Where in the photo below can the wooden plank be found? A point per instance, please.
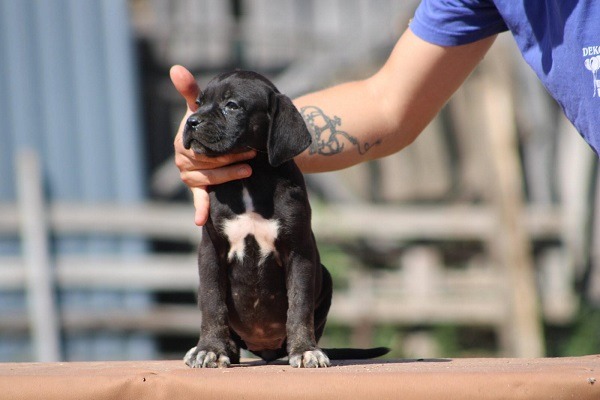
(39, 284)
(472, 297)
(576, 159)
(454, 222)
(159, 221)
(512, 245)
(9, 219)
(404, 310)
(172, 319)
(150, 220)
(172, 273)
(159, 319)
(406, 222)
(559, 300)
(12, 274)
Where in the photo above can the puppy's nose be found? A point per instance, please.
(193, 122)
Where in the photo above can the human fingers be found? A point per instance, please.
(186, 85)
(216, 176)
(187, 159)
(201, 205)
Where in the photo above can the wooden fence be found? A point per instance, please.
(421, 291)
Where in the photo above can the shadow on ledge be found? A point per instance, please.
(251, 362)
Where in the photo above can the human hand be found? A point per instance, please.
(199, 171)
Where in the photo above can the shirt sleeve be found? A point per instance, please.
(456, 22)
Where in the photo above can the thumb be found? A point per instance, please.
(186, 85)
(201, 204)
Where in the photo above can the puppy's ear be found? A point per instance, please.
(288, 134)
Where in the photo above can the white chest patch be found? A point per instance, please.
(265, 231)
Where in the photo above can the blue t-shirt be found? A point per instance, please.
(559, 39)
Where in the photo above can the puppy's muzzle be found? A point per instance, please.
(192, 132)
(201, 136)
(193, 122)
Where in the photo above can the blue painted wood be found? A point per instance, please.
(56, 97)
(68, 90)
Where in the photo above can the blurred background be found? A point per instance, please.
(478, 240)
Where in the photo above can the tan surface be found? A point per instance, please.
(559, 378)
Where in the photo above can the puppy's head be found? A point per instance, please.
(243, 110)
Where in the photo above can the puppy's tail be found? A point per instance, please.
(355, 354)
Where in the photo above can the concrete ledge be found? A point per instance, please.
(464, 379)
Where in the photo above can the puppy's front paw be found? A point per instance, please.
(310, 359)
(197, 358)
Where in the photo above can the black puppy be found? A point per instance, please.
(262, 285)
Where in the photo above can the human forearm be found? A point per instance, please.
(378, 116)
(342, 136)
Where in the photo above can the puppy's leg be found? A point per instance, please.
(215, 347)
(323, 302)
(302, 345)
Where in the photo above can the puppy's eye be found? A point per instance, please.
(232, 105)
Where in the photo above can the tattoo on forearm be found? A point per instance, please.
(327, 138)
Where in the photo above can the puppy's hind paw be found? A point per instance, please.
(196, 358)
(310, 359)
